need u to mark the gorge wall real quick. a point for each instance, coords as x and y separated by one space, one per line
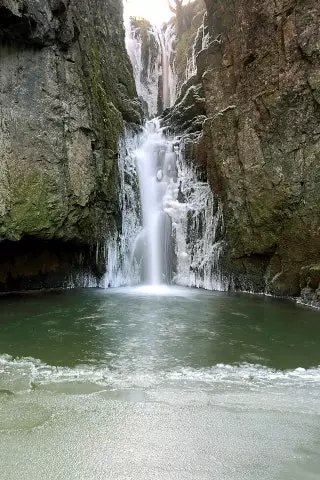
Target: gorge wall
258 82
66 88
262 94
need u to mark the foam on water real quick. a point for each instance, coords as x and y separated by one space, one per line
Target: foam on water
157 290
40 373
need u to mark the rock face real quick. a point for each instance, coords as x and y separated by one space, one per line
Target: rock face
66 88
190 32
261 140
189 111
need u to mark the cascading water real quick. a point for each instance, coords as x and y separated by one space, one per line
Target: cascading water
146 67
197 227
156 170
151 52
177 239
167 37
172 224
121 267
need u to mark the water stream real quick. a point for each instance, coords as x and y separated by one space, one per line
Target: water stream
172 224
151 54
180 236
156 169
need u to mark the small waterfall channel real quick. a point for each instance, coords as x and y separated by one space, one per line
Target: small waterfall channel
156 167
172 225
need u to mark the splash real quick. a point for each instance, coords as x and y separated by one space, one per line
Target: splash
34 374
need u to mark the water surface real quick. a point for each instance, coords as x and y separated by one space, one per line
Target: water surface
158 384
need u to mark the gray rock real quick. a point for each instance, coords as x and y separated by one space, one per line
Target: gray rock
66 88
261 139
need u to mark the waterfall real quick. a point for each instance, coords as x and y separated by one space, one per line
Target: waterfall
197 223
176 238
146 68
172 225
156 169
121 267
151 52
167 37
198 227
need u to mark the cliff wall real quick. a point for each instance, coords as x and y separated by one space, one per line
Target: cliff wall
66 88
261 140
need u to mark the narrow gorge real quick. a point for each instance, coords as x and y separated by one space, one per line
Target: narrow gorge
159 239
242 122
235 86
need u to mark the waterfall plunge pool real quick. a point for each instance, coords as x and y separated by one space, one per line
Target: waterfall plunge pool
168 384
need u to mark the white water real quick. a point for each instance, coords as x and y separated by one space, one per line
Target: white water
156 82
173 238
26 372
151 203
156 170
175 241
147 82
121 268
197 222
167 37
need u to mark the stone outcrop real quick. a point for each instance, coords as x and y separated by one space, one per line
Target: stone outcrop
66 88
189 27
261 140
189 111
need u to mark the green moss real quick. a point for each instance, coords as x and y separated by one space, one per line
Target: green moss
110 122
34 207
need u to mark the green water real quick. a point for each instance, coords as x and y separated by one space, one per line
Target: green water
176 384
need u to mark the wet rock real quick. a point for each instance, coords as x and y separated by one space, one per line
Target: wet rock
66 88
188 113
261 84
259 146
189 41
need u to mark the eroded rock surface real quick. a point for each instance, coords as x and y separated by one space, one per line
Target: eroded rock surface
66 88
261 140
